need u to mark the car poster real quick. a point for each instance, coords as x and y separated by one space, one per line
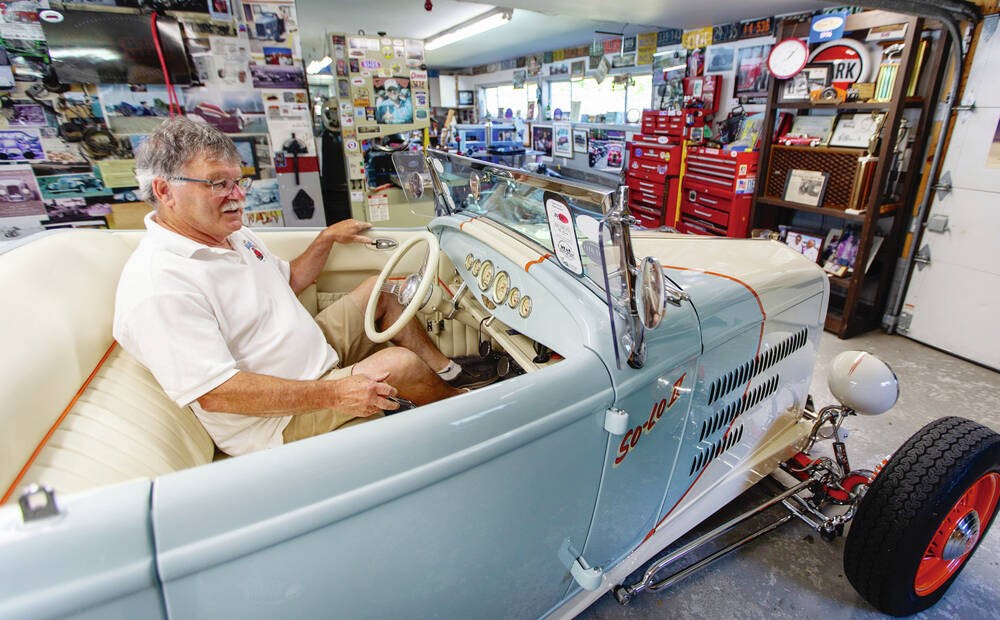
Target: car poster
78 211
78 185
19 195
230 111
134 108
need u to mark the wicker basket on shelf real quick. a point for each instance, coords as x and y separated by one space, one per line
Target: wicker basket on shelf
849 170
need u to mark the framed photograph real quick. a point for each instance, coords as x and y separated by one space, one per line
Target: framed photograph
805 187
562 133
830 245
856 130
541 139
752 75
818 126
805 243
719 58
247 147
814 76
580 141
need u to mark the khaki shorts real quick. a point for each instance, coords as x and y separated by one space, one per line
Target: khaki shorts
343 325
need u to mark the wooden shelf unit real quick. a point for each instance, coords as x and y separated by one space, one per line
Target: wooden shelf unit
858 299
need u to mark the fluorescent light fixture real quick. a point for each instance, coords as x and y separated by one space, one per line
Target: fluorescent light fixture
479 24
316 66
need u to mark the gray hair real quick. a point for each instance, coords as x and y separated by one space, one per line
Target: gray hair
176 142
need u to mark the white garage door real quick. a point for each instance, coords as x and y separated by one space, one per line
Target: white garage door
953 301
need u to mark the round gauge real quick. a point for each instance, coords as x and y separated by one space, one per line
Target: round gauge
469 259
515 297
787 58
501 286
525 308
475 267
486 275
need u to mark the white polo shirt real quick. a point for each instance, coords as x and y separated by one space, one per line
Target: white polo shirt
195 315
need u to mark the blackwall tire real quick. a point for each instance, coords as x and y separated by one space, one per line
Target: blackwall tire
895 554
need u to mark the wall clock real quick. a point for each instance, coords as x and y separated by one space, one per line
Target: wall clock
787 58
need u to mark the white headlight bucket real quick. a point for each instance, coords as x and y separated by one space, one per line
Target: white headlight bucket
863 382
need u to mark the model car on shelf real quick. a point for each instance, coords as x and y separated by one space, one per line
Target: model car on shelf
647 379
799 139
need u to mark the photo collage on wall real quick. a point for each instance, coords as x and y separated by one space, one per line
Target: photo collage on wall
68 148
381 98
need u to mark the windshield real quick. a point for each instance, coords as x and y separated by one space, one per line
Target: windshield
562 217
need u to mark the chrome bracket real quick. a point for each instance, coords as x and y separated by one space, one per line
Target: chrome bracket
38 503
383 243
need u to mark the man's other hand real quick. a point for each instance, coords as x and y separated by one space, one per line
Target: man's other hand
348 231
366 395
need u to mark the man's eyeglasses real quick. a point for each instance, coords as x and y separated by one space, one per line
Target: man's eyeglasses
222 187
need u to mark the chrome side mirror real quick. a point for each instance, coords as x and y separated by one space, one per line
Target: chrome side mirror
653 293
650 294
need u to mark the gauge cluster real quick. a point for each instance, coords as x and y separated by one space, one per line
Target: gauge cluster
496 286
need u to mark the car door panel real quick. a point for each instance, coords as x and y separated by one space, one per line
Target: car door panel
638 463
427 500
93 560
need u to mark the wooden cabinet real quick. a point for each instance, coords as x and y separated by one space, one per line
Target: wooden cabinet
869 190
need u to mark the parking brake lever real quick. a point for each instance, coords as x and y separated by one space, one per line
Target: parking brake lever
454 301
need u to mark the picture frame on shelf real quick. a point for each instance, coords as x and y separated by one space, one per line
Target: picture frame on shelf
805 187
856 130
526 136
840 258
814 76
806 243
580 141
830 244
562 136
818 126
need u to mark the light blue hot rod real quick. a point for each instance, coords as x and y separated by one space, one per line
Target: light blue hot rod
648 379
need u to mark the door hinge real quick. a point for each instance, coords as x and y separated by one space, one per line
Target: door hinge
943 186
937 223
903 322
616 421
587 576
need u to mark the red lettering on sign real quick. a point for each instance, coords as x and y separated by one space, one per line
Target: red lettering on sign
633 435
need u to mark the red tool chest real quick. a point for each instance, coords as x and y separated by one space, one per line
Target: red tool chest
717 191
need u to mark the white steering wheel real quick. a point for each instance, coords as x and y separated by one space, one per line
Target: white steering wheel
411 293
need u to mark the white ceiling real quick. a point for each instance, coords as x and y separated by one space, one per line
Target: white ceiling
537 25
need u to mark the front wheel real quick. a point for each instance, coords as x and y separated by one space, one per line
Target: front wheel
924 516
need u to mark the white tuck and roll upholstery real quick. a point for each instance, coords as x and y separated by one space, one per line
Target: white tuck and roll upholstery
55 329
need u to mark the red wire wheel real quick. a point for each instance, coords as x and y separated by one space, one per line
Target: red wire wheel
924 516
958 534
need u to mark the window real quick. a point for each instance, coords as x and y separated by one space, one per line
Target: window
497 99
609 97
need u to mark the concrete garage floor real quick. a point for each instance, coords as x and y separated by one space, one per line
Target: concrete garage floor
793 573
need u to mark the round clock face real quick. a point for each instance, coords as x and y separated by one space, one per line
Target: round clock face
787 58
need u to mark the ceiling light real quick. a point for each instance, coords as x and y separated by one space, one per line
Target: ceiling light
476 25
316 66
